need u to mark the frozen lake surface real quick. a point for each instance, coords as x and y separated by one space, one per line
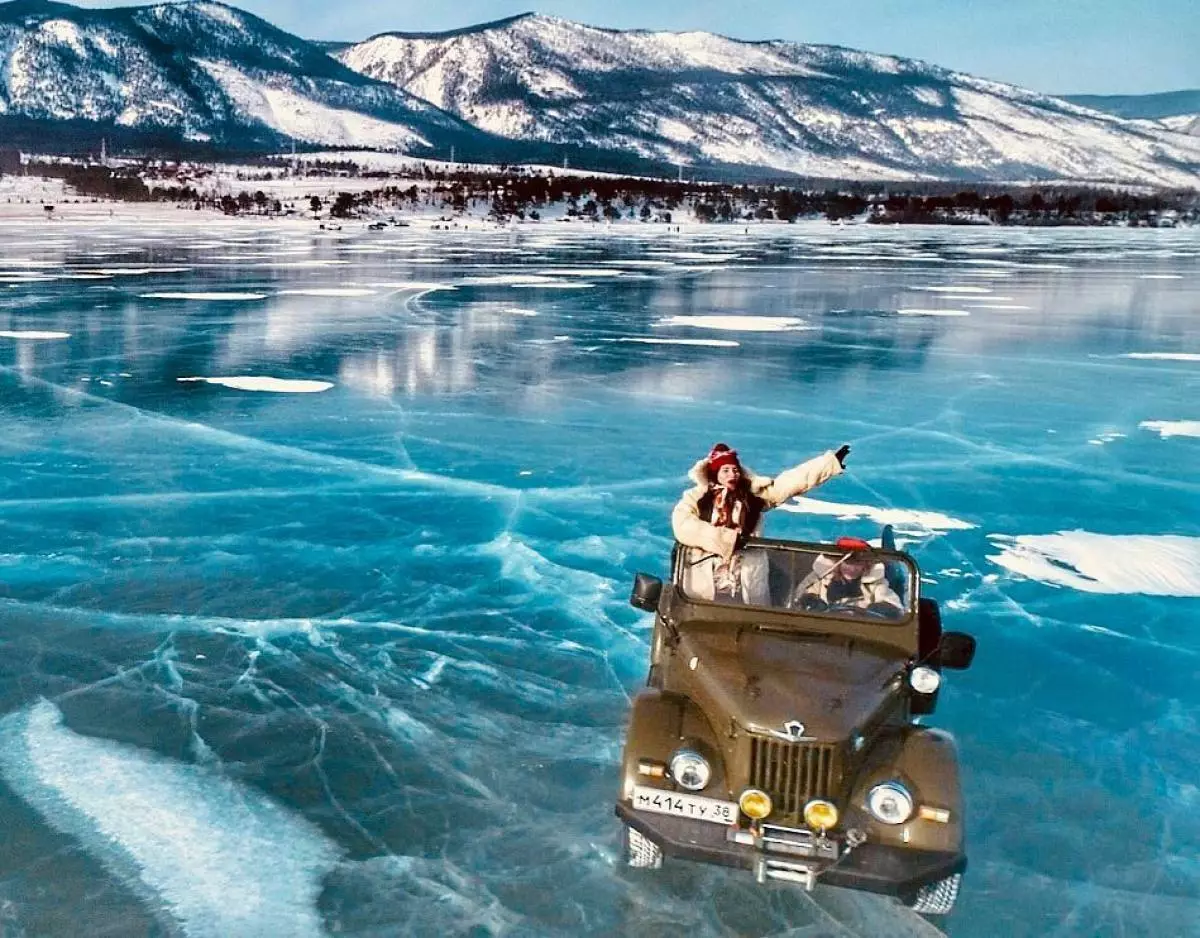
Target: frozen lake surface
315 550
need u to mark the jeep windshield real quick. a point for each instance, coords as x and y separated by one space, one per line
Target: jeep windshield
810 579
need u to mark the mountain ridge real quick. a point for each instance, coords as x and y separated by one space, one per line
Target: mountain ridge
694 97
205 71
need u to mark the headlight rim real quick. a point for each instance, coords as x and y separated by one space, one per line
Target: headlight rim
922 673
897 787
689 752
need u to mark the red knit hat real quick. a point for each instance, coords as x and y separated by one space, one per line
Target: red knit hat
856 545
721 455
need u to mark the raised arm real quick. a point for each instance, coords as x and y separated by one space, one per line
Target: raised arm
802 478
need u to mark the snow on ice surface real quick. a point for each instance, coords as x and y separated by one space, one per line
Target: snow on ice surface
711 343
738 323
209 296
1166 356
1157 565
223 858
272 385
329 292
1169 428
905 519
399 609
915 311
32 334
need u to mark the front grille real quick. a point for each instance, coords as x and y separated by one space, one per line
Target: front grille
793 773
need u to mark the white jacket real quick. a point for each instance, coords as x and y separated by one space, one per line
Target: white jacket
693 531
873 584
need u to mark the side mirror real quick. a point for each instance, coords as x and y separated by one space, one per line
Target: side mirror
957 650
646 592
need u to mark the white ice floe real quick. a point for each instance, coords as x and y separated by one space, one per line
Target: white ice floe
222 857
133 271
32 334
932 312
423 285
214 297
510 280
273 385
347 292
1169 428
1154 564
1106 437
738 323
963 289
1166 356
906 519
710 343
1161 277
997 306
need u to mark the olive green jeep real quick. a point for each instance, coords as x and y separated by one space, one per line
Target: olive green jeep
779 729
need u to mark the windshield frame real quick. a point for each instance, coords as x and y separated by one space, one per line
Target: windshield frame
909 614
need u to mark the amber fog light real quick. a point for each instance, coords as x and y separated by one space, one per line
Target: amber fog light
755 804
821 815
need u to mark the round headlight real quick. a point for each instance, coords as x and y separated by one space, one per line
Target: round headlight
820 814
690 769
890 802
924 680
755 804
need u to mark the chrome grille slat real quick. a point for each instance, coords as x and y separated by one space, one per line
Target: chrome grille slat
793 773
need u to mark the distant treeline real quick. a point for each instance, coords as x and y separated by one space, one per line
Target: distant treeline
518 193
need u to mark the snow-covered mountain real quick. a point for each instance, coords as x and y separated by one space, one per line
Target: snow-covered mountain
200 71
1175 110
813 110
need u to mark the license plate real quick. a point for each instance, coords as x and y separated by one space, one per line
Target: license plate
692 807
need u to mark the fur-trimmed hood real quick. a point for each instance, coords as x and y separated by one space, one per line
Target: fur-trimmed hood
699 476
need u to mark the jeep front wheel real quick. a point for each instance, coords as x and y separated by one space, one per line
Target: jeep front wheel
937 898
641 852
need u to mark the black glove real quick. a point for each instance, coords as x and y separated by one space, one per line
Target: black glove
842 453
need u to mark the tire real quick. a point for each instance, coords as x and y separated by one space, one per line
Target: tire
937 898
641 853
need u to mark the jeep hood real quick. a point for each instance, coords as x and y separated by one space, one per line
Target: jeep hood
764 680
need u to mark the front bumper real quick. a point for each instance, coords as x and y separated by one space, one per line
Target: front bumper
892 871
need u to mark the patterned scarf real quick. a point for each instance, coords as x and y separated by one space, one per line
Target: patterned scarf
729 509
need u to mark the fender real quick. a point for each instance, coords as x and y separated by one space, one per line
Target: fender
659 724
925 760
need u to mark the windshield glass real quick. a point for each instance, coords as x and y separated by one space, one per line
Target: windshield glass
854 584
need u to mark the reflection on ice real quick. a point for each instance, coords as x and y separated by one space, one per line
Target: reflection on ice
399 610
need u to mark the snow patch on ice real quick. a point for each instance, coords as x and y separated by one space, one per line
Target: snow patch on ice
932 312
1169 428
347 292
906 519
710 343
1153 564
210 297
738 323
32 334
273 385
1165 356
224 858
